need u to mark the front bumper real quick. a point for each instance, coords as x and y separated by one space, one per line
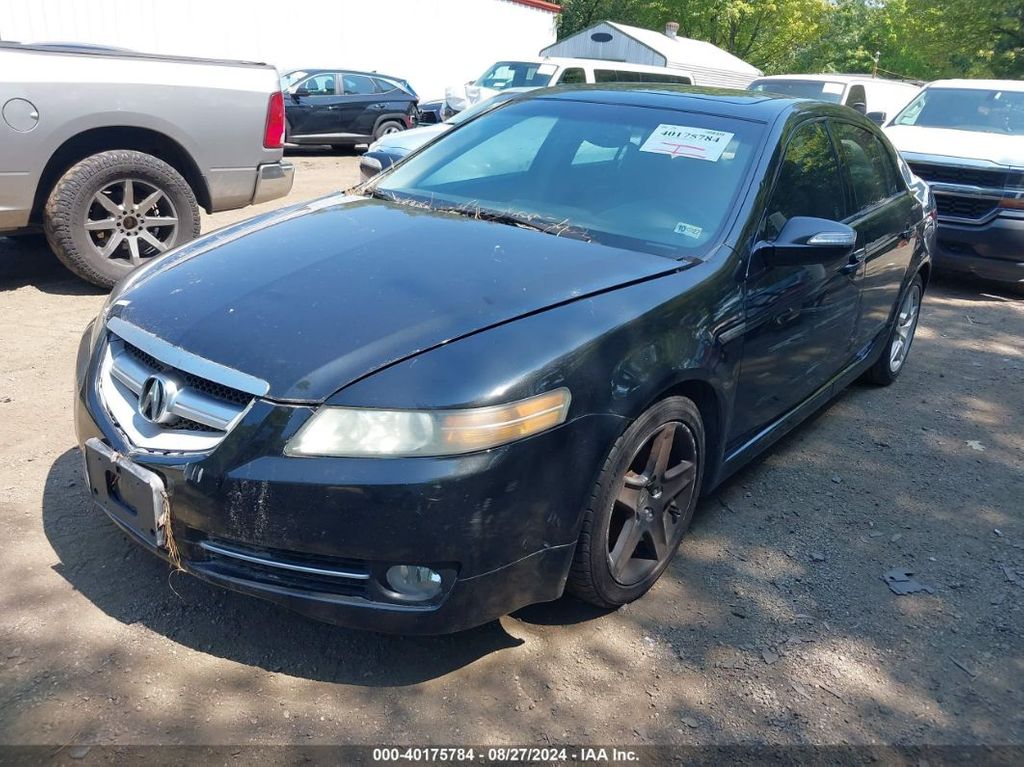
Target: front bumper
316 535
992 251
273 180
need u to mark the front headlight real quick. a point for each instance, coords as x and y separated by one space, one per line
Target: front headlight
369 433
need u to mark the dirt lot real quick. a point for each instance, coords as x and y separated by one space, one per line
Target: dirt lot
773 625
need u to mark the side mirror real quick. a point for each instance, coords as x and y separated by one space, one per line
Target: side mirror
806 240
878 118
299 92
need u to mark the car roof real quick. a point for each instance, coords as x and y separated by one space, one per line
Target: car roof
563 61
837 78
986 85
318 70
748 105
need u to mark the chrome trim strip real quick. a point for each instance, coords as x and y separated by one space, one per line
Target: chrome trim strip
178 358
953 161
128 370
228 552
200 408
966 190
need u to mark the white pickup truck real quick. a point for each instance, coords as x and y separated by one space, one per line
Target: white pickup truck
112 152
966 139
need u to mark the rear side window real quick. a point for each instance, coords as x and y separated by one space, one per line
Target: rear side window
626 76
383 86
357 85
809 182
573 76
872 172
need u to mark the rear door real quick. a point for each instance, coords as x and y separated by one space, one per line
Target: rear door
361 104
801 318
884 213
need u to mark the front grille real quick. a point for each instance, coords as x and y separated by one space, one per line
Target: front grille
959 174
198 411
974 208
214 389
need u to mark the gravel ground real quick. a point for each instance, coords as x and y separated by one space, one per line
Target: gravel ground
772 626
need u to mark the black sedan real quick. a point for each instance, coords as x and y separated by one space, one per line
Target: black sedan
509 366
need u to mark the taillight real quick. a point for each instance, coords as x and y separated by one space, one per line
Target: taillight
273 136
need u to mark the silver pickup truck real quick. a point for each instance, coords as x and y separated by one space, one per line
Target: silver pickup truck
112 152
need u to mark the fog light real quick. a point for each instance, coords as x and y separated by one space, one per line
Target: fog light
414 582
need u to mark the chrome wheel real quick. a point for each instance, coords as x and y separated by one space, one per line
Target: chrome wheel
131 219
906 325
387 130
647 516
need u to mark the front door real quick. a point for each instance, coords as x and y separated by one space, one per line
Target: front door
801 319
311 105
884 219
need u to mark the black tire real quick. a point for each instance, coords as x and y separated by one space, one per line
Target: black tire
591 577
387 126
885 371
73 198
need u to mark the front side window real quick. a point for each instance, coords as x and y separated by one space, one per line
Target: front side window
970 109
319 85
572 76
872 173
653 180
517 74
809 182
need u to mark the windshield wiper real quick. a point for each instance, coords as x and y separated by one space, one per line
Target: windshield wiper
557 227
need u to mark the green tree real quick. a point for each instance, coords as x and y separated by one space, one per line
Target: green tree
914 38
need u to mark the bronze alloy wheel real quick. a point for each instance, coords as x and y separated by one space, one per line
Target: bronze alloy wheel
648 509
641 506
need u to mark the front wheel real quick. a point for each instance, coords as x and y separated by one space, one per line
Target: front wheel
889 366
113 211
641 506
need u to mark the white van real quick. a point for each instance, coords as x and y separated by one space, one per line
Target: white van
876 97
543 72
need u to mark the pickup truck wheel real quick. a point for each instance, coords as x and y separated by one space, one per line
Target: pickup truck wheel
115 210
388 127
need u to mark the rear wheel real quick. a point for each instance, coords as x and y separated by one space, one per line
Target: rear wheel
641 506
889 366
115 210
388 127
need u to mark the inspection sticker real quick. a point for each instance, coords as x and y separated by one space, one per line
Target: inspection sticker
689 230
681 141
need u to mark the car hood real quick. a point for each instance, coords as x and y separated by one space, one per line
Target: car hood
405 141
317 296
997 148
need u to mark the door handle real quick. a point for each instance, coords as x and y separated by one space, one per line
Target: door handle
856 259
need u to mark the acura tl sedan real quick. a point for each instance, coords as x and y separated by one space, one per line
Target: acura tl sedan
507 367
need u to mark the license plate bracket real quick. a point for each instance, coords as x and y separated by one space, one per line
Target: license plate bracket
134 497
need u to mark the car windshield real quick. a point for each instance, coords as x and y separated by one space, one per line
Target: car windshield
802 89
289 79
971 109
653 180
516 74
478 108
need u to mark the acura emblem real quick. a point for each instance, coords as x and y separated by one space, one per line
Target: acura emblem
155 399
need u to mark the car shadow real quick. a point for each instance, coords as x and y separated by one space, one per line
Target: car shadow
27 260
134 587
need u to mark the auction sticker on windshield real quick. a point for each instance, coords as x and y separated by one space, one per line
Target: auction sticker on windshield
681 141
